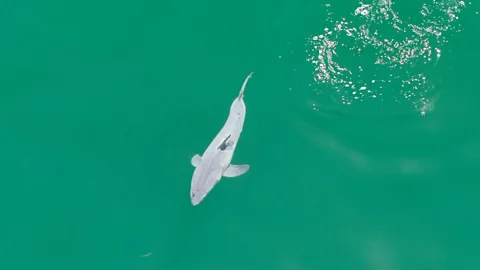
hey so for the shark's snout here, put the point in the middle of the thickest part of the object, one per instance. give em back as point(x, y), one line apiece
point(195, 197)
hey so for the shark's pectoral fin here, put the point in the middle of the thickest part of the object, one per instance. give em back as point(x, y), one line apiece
point(196, 160)
point(236, 170)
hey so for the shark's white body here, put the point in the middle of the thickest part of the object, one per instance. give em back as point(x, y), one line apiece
point(215, 161)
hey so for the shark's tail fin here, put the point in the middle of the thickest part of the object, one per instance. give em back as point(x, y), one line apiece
point(240, 95)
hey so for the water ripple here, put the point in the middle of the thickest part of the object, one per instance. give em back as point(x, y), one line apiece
point(379, 56)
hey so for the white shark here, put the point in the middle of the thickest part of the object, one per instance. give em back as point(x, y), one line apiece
point(215, 161)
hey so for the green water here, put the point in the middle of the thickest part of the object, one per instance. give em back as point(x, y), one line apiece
point(362, 133)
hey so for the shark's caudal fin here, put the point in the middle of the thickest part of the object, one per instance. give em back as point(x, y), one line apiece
point(236, 170)
point(240, 95)
point(196, 160)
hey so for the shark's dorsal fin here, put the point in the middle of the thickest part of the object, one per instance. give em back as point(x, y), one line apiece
point(225, 144)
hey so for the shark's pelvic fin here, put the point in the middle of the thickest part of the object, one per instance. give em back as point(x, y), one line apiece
point(236, 170)
point(196, 160)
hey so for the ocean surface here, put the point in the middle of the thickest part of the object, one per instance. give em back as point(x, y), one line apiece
point(362, 133)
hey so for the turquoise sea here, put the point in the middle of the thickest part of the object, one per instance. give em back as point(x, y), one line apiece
point(362, 133)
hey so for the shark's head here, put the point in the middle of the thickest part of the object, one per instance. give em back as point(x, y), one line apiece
point(197, 193)
point(204, 180)
point(196, 197)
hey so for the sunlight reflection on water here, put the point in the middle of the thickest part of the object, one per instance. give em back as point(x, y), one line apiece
point(390, 54)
